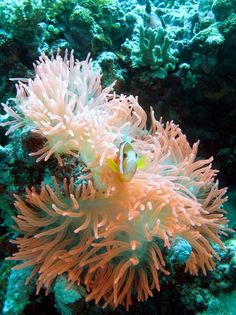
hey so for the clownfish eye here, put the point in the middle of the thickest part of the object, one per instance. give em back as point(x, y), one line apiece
point(125, 155)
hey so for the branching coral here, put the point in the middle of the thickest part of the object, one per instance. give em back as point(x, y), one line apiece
point(109, 235)
point(153, 49)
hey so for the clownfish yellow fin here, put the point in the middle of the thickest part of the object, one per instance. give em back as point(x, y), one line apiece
point(142, 162)
point(113, 165)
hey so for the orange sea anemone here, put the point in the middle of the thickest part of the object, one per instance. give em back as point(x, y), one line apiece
point(109, 235)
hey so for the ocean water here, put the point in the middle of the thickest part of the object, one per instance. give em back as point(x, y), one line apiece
point(118, 155)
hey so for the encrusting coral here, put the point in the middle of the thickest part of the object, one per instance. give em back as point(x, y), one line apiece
point(109, 234)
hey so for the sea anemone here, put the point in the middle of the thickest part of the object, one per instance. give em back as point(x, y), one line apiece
point(109, 235)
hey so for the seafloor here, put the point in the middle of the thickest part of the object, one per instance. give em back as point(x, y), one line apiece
point(178, 57)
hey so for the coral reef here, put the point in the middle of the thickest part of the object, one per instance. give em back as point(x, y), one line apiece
point(17, 18)
point(68, 300)
point(217, 296)
point(197, 92)
point(154, 50)
point(222, 9)
point(108, 62)
point(18, 294)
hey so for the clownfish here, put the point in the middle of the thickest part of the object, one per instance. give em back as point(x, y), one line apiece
point(127, 162)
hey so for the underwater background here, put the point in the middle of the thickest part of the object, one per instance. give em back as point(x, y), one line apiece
point(178, 57)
